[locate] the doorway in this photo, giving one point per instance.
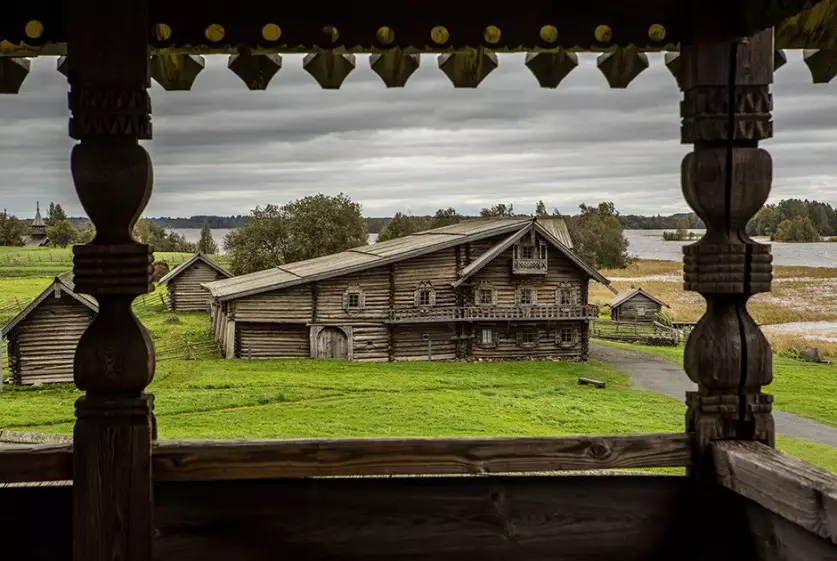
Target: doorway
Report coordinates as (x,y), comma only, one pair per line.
(332,342)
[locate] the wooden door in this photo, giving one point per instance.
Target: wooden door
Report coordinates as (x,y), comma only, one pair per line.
(332,343)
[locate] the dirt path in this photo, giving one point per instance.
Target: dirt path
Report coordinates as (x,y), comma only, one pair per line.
(653,373)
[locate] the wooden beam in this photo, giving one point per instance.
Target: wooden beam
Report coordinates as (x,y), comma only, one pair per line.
(36,462)
(212,460)
(793,489)
(254,459)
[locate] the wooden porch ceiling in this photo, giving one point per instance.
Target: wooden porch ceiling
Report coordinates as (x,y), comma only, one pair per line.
(222,26)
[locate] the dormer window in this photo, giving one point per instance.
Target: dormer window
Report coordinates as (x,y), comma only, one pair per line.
(424,296)
(530,259)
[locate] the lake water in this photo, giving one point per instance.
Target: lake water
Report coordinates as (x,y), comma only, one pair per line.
(647,244)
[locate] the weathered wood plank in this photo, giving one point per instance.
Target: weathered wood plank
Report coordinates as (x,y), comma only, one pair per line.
(254,459)
(461,518)
(774,538)
(36,462)
(791,488)
(213,460)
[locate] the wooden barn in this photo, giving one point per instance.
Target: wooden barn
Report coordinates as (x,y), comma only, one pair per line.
(491,288)
(184,283)
(43,337)
(635,305)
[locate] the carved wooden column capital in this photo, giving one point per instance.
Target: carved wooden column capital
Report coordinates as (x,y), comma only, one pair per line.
(114,361)
(726,111)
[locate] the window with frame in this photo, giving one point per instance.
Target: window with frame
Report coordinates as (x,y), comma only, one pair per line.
(486,337)
(425,295)
(567,297)
(486,297)
(353,298)
(542,251)
(527,296)
(568,336)
(527,337)
(527,252)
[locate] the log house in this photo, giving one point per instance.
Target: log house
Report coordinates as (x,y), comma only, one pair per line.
(184,283)
(136,500)
(524,295)
(635,305)
(42,338)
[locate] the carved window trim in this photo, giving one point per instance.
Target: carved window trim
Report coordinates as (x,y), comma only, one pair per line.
(354,298)
(424,296)
(528,336)
(567,336)
(568,294)
(478,293)
(521,289)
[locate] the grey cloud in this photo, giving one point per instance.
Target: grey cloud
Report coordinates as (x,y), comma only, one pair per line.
(222,149)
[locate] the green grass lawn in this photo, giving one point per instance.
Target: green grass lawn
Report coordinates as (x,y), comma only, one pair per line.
(311,398)
(805,388)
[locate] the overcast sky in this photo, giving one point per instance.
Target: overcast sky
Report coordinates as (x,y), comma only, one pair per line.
(221,149)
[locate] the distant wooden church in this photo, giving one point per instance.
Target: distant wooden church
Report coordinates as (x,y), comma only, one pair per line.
(635,306)
(184,283)
(43,337)
(37,236)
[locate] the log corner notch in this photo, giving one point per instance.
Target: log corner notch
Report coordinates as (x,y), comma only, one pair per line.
(726,111)
(114,362)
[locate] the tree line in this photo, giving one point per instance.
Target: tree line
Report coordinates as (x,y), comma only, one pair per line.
(794,220)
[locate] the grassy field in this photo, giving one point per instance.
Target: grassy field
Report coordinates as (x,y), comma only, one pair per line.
(308,398)
(212,398)
(798,294)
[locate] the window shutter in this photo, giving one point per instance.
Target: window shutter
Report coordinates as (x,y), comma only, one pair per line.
(361,298)
(432,296)
(417,296)
(519,335)
(346,300)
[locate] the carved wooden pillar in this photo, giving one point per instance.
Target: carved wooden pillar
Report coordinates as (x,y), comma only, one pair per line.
(726,179)
(114,361)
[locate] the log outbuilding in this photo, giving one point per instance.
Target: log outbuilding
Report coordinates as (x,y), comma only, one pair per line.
(635,305)
(184,283)
(43,337)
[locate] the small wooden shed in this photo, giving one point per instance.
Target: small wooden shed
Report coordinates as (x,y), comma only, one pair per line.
(43,337)
(184,283)
(636,306)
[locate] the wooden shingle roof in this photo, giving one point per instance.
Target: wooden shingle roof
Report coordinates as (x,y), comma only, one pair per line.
(189,262)
(625,296)
(61,284)
(384,253)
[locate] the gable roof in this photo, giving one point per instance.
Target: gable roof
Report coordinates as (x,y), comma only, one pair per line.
(378,254)
(61,283)
(625,296)
(194,259)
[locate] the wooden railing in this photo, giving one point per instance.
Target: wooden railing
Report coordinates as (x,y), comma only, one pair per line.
(535,266)
(492,313)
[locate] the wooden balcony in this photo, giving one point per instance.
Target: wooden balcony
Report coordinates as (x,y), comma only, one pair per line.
(493,313)
(522,266)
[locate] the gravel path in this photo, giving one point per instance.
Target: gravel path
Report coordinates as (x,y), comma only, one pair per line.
(653,373)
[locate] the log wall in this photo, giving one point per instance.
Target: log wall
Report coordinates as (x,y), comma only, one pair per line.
(439,269)
(42,346)
(274,340)
(289,305)
(373,282)
(627,310)
(185,291)
(548,345)
(409,343)
(371,342)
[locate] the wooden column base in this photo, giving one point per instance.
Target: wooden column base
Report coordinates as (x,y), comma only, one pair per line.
(111,488)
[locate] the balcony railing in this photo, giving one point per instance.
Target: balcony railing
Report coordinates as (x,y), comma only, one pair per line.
(493,313)
(522,266)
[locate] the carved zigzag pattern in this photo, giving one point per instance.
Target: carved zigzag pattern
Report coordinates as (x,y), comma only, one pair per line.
(110,113)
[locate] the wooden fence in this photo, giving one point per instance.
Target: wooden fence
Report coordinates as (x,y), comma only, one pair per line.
(653,333)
